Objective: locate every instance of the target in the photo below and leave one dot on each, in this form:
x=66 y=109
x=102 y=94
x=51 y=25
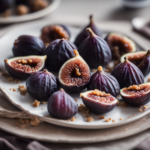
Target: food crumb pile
x=36 y=103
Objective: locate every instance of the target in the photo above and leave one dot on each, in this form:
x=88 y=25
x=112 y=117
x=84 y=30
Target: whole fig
x=83 y=34
x=28 y=45
x=61 y=105
x=94 y=50
x=127 y=74
x=41 y=85
x=104 y=82
x=58 y=52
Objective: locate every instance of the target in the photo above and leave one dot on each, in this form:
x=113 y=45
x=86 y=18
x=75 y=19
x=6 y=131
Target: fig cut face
x=98 y=102
x=22 y=67
x=120 y=44
x=74 y=75
x=137 y=94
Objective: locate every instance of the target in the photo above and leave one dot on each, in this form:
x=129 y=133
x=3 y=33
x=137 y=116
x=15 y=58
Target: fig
x=28 y=45
x=127 y=74
x=83 y=34
x=23 y=67
x=74 y=75
x=120 y=44
x=136 y=95
x=61 y=105
x=104 y=82
x=4 y=5
x=141 y=59
x=94 y=50
x=98 y=102
x=41 y=85
x=58 y=52
x=53 y=32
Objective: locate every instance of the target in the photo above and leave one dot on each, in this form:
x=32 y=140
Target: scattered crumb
x=148 y=79
x=145 y=107
x=140 y=110
x=35 y=121
x=120 y=119
x=89 y=119
x=44 y=102
x=76 y=100
x=73 y=118
x=22 y=89
x=113 y=121
x=83 y=109
x=122 y=104
x=101 y=117
x=107 y=120
x=14 y=89
x=36 y=103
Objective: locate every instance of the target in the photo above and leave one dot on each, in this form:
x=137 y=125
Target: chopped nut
x=14 y=89
x=36 y=103
x=68 y=120
x=89 y=119
x=145 y=107
x=73 y=118
x=23 y=61
x=134 y=87
x=113 y=121
x=120 y=119
x=107 y=120
x=22 y=10
x=22 y=89
x=99 y=93
x=101 y=117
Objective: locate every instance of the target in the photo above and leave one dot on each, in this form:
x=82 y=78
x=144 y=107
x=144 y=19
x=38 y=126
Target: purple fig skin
x=58 y=52
x=145 y=64
x=95 y=51
x=28 y=45
x=5 y=4
x=83 y=34
x=136 y=100
x=127 y=74
x=104 y=82
x=16 y=73
x=41 y=85
x=61 y=105
x=98 y=107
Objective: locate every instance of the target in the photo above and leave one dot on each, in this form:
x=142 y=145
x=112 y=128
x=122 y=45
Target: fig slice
x=120 y=44
x=98 y=102
x=136 y=95
x=141 y=59
x=23 y=67
x=74 y=75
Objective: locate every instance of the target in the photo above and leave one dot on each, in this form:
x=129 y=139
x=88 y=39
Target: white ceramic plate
x=14 y=19
x=25 y=102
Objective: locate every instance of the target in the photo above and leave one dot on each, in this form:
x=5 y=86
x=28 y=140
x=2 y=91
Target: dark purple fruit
x=104 y=82
x=23 y=67
x=58 y=52
x=4 y=5
x=83 y=34
x=94 y=50
x=127 y=74
x=136 y=95
x=28 y=45
x=141 y=59
x=61 y=105
x=41 y=85
x=74 y=75
x=53 y=32
x=98 y=102
x=120 y=44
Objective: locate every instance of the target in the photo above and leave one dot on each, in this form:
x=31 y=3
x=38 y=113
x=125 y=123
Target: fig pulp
x=127 y=74
x=120 y=44
x=4 y=5
x=140 y=59
x=53 y=32
x=61 y=105
x=23 y=67
x=41 y=85
x=98 y=102
x=104 y=82
x=74 y=75
x=136 y=95
x=58 y=52
x=83 y=34
x=28 y=45
x=94 y=50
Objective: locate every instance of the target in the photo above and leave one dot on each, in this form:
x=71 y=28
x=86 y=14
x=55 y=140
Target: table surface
x=102 y=10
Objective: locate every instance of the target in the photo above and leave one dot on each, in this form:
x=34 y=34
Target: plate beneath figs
x=127 y=114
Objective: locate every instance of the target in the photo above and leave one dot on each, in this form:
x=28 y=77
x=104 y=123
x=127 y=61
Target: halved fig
x=74 y=75
x=23 y=67
x=104 y=82
x=120 y=44
x=98 y=102
x=127 y=74
x=136 y=95
x=141 y=59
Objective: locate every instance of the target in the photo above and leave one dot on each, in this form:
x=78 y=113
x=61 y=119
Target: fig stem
x=45 y=70
x=90 y=32
x=76 y=52
x=125 y=59
x=100 y=68
x=91 y=19
x=15 y=43
x=61 y=89
x=77 y=72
